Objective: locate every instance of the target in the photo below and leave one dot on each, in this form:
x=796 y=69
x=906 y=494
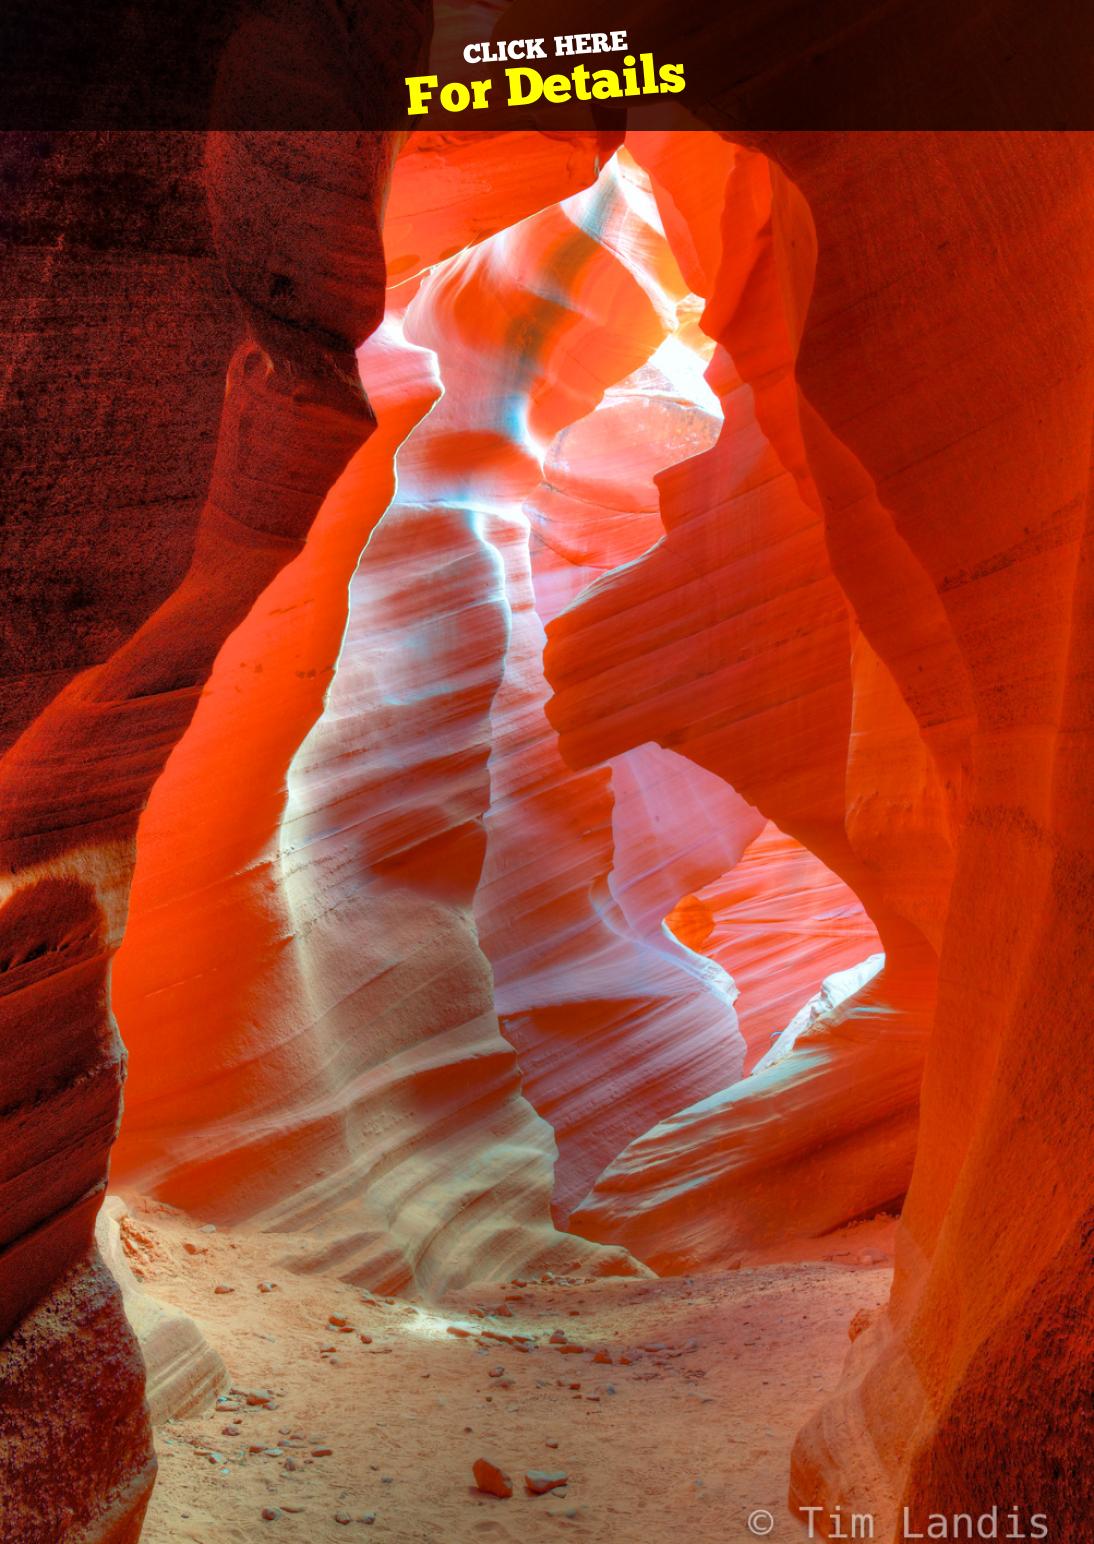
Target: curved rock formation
x=563 y=937
x=731 y=641
x=303 y=1071
x=316 y=1041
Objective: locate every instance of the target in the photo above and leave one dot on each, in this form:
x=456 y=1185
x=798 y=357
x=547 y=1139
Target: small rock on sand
x=491 y=1479
x=540 y=1481
x=860 y=1322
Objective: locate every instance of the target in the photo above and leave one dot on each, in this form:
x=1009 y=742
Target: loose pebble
x=540 y=1481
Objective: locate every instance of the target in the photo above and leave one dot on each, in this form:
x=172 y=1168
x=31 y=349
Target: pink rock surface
x=779 y=922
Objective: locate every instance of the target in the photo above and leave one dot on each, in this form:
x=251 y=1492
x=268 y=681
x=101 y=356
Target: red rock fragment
x=491 y=1479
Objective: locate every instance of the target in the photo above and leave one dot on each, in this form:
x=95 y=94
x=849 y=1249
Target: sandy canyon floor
x=374 y=1423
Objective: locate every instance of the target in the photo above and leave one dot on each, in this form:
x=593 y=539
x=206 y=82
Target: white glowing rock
x=835 y=989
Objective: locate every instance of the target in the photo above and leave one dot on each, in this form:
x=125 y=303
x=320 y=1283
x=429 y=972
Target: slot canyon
x=546 y=742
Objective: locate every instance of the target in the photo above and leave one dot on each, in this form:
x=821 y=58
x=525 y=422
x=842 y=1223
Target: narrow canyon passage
x=610 y=880
x=432 y=832
x=444 y=979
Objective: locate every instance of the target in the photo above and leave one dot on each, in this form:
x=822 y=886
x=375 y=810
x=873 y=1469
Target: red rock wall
x=939 y=449
x=155 y=508
x=959 y=384
x=732 y=642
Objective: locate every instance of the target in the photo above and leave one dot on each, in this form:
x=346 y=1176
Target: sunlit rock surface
x=323 y=1038
x=409 y=814
x=834 y=990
